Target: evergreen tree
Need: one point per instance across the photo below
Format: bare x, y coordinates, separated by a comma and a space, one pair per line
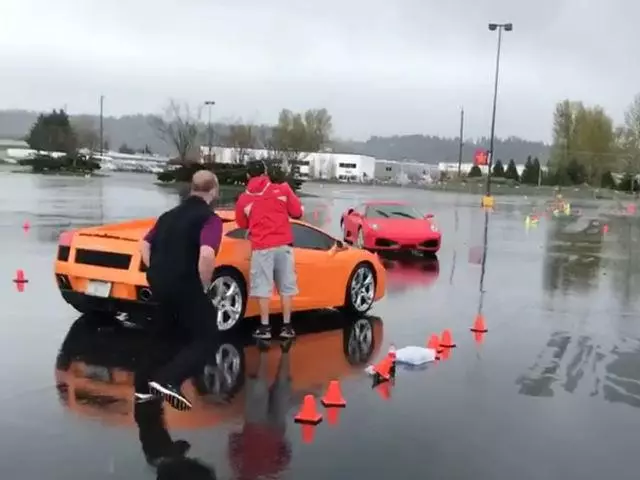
475, 172
512, 171
53, 133
498, 169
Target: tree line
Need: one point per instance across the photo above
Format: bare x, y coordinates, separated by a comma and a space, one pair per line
588, 148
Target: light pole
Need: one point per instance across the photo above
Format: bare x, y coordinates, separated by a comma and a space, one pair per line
210, 103
101, 125
461, 144
507, 27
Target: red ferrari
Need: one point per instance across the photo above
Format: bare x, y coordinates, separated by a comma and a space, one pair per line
385, 225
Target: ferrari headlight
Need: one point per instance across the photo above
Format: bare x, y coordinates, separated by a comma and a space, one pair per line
374, 226
434, 228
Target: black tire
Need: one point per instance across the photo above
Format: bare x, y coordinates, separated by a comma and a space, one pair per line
223, 376
351, 304
358, 341
236, 276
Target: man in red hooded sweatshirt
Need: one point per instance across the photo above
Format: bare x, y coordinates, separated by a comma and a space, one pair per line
264, 209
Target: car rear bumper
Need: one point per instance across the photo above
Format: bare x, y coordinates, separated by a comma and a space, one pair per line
86, 303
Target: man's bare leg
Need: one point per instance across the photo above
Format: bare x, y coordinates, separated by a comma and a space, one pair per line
264, 311
285, 301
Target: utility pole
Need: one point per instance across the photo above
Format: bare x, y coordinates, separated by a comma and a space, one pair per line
210, 103
101, 125
461, 141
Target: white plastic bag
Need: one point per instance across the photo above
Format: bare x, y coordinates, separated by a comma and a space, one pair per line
415, 356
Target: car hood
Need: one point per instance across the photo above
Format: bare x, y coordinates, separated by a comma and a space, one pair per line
409, 226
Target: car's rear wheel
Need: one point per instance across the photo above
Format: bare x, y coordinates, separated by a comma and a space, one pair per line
361, 289
228, 292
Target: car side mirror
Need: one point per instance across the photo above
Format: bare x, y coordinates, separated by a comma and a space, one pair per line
428, 216
339, 246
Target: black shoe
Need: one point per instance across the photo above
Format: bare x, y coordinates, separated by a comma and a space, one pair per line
173, 395
287, 332
263, 332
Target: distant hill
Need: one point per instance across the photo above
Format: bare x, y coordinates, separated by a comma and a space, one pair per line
136, 132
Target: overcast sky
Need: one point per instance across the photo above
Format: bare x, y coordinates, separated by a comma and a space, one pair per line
380, 67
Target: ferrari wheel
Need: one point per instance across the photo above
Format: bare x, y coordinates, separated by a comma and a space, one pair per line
361, 290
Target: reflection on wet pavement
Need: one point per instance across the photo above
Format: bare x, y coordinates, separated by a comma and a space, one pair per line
581, 365
547, 393
95, 368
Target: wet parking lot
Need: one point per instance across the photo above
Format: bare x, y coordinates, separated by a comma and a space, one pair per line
550, 392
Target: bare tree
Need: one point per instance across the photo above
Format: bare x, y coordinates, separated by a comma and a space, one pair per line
241, 138
179, 129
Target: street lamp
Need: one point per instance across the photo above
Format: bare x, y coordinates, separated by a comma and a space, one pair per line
210, 103
487, 201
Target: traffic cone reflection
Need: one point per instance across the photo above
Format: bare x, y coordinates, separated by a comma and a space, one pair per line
384, 390
20, 280
446, 354
479, 337
333, 415
446, 340
308, 433
333, 397
308, 412
434, 343
479, 324
26, 226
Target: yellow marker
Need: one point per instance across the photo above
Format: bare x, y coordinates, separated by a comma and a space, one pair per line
487, 201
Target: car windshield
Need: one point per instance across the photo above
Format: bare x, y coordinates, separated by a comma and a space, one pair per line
392, 211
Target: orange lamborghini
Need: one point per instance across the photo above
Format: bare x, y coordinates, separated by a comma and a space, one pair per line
99, 269
95, 380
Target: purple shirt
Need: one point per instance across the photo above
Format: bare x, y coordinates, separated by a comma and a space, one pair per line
210, 235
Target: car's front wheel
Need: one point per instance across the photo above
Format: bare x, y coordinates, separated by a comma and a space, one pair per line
361, 290
228, 292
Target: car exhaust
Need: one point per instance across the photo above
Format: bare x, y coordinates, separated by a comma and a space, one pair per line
145, 294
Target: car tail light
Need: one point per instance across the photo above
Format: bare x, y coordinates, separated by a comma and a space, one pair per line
64, 246
65, 239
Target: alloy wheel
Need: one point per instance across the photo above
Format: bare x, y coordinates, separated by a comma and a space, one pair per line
226, 295
362, 289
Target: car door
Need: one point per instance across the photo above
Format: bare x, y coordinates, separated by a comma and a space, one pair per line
240, 257
352, 222
317, 268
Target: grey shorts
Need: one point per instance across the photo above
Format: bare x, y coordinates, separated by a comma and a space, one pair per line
273, 266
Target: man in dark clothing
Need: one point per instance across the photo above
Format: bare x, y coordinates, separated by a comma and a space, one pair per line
180, 252
169, 457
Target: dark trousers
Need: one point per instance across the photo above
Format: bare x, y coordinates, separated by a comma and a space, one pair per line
187, 318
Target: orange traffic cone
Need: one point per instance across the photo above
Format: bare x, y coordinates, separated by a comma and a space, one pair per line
308, 432
26, 226
383, 369
434, 343
479, 325
333, 415
478, 337
447, 339
333, 397
308, 412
